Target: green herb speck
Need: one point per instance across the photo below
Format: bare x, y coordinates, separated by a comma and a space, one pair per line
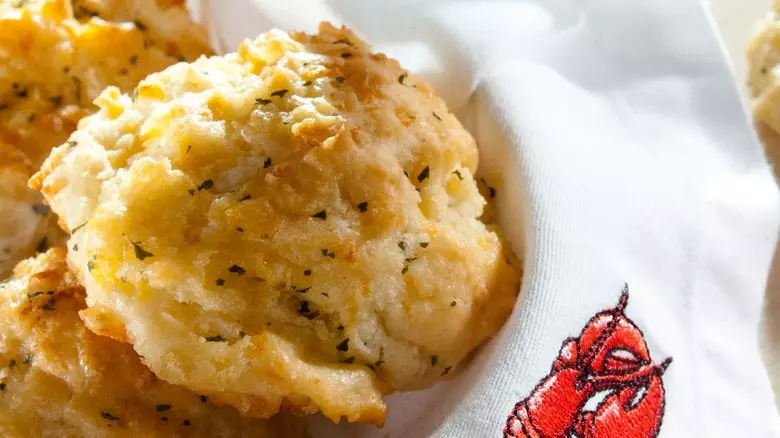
206, 185
424, 174
220, 282
280, 93
217, 338
363, 206
141, 253
343, 345
322, 214
108, 416
262, 101
238, 270
402, 77
162, 407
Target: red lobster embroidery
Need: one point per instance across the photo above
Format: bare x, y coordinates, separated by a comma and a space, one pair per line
609, 356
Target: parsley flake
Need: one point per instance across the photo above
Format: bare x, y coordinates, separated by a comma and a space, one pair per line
203, 399
434, 360
280, 93
239, 229
245, 198
162, 407
424, 174
140, 25
262, 101
217, 338
141, 253
238, 270
322, 214
437, 116
402, 245
220, 282
307, 273
206, 185
424, 244
303, 310
453, 303
402, 77
363, 206
346, 55
404, 270
267, 163
108, 416
90, 266
457, 173
343, 345
73, 231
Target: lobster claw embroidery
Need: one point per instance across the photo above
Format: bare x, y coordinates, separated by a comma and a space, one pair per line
610, 356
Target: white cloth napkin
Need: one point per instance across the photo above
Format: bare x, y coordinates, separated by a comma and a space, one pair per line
624, 156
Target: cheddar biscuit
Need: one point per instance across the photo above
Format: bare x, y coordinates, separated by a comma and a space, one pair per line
294, 226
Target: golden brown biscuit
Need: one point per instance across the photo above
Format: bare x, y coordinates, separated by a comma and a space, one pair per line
294, 226
53, 63
57, 378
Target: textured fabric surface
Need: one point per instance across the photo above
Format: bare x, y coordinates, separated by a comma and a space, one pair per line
624, 156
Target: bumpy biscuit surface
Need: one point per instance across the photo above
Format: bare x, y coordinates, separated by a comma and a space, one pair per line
295, 225
57, 378
56, 56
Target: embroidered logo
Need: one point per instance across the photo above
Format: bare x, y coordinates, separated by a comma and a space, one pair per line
609, 358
